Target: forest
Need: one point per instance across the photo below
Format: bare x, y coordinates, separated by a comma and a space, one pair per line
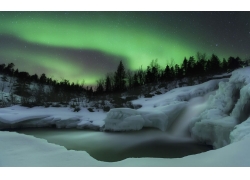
41, 91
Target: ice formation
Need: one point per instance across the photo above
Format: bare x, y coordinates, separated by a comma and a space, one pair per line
227, 108
158, 112
125, 119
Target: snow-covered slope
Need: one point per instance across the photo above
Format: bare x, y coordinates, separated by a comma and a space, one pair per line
23, 150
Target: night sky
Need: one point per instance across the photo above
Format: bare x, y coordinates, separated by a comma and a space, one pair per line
87, 45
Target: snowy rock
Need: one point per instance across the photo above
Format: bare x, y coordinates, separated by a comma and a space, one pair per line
162, 117
240, 131
227, 108
214, 132
123, 119
241, 109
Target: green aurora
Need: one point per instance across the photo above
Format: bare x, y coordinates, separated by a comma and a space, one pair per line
41, 41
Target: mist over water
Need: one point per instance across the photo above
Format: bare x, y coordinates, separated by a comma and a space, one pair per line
180, 127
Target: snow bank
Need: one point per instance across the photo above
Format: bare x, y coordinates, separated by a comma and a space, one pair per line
19, 150
227, 108
179, 94
26, 150
17, 116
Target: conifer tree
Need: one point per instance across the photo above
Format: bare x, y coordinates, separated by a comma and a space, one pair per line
184, 66
119, 79
108, 87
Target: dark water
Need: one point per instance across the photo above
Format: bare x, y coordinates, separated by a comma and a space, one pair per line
116, 146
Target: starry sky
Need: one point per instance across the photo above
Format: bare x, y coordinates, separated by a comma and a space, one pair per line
87, 45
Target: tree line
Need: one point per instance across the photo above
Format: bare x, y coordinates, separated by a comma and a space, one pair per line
49, 90
36, 90
199, 67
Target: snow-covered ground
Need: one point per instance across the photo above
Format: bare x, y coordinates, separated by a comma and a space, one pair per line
223, 122
23, 150
63, 117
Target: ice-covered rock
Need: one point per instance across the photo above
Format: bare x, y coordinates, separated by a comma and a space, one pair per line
162, 117
227, 108
240, 131
214, 132
123, 119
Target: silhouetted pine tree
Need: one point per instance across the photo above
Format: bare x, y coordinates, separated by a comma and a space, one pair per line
178, 72
200, 65
148, 77
43, 79
34, 78
167, 73
129, 79
234, 63
184, 66
141, 76
190, 66
215, 64
119, 79
22, 88
9, 69
224, 65
108, 87
135, 80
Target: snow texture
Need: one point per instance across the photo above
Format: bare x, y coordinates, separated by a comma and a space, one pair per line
17, 116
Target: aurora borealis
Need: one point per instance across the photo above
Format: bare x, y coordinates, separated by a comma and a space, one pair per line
86, 45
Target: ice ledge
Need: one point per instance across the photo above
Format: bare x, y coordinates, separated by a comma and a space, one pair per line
125, 119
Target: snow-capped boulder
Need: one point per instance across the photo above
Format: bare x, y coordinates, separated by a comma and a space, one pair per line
123, 119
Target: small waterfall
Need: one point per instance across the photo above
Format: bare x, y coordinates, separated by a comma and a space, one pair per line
181, 125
